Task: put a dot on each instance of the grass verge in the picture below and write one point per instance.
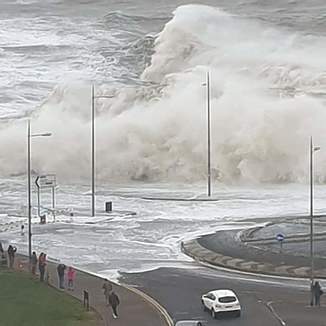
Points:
(24, 301)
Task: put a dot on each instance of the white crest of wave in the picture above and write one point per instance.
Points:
(258, 134)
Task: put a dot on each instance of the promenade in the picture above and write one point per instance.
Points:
(135, 309)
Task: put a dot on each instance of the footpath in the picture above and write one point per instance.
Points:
(135, 309)
(259, 250)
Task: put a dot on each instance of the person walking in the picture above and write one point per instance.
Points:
(61, 275)
(41, 265)
(34, 263)
(114, 302)
(11, 255)
(71, 275)
(107, 287)
(317, 291)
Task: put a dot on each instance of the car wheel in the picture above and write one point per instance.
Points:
(238, 314)
(213, 314)
(204, 307)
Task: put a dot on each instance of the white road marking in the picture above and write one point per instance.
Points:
(265, 279)
(277, 316)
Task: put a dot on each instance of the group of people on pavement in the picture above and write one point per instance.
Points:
(61, 270)
(70, 275)
(64, 273)
(11, 251)
(41, 263)
(11, 255)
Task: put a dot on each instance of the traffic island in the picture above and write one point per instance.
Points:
(238, 250)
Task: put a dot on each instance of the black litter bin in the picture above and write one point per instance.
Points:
(108, 206)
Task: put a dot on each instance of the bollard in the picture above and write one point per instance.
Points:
(47, 278)
(86, 300)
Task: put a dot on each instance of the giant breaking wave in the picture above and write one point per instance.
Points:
(267, 99)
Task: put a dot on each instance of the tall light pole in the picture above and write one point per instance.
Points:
(29, 199)
(93, 145)
(312, 149)
(209, 171)
(93, 151)
(29, 204)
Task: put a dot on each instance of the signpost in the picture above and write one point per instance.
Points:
(45, 182)
(280, 238)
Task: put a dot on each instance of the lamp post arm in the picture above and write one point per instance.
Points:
(104, 96)
(46, 134)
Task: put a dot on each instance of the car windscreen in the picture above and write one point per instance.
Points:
(227, 299)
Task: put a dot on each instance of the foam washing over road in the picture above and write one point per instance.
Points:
(268, 89)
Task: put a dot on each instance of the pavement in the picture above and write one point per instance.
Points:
(135, 309)
(257, 249)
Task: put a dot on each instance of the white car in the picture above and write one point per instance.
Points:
(221, 301)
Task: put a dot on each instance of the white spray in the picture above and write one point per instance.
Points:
(264, 108)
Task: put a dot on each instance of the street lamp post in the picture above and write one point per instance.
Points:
(29, 190)
(93, 145)
(29, 196)
(209, 171)
(311, 150)
(93, 151)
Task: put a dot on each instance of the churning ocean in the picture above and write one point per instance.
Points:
(268, 86)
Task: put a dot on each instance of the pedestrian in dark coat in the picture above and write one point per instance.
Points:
(3, 258)
(34, 262)
(11, 255)
(317, 291)
(61, 275)
(107, 287)
(114, 302)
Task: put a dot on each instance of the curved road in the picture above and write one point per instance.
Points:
(266, 301)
